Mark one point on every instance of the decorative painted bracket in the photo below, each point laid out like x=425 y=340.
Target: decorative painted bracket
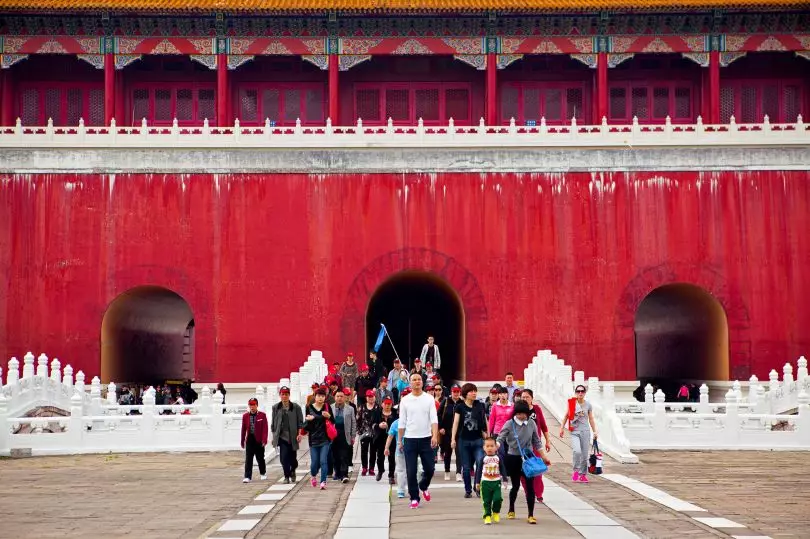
x=208 y=60
x=726 y=58
x=700 y=58
x=95 y=60
x=234 y=61
x=348 y=61
x=123 y=60
x=589 y=60
x=320 y=60
x=478 y=61
x=615 y=59
x=8 y=60
x=505 y=60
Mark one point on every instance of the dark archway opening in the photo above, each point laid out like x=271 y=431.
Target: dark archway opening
x=681 y=335
x=414 y=305
x=147 y=337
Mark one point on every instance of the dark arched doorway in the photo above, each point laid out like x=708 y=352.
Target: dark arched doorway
x=681 y=333
x=147 y=337
x=414 y=305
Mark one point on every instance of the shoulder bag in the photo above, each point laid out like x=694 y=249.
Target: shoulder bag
x=595 y=460
x=331 y=429
x=532 y=465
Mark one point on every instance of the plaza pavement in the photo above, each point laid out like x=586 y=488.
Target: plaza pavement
x=194 y=495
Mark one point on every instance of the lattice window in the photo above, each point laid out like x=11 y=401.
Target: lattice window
x=531 y=105
x=770 y=103
x=313 y=105
x=426 y=104
x=30 y=111
x=95 y=107
x=140 y=105
x=660 y=103
x=271 y=104
x=248 y=105
x=726 y=104
x=457 y=104
x=639 y=106
x=75 y=105
x=163 y=105
x=397 y=105
x=683 y=103
x=618 y=103
x=292 y=105
x=792 y=102
x=574 y=104
x=53 y=106
x=367 y=104
x=510 y=103
x=552 y=109
x=748 y=105
x=206 y=105
x=184 y=105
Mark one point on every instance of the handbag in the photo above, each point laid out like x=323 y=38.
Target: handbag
x=331 y=429
x=532 y=466
x=595 y=460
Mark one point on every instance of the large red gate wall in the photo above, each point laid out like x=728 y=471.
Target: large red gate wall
x=276 y=265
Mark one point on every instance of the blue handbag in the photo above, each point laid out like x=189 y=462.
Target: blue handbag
x=532 y=465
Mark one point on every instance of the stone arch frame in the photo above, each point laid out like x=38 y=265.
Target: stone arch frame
x=179 y=282
x=706 y=277
x=379 y=270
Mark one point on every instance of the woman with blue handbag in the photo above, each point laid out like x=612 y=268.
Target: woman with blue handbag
x=519 y=435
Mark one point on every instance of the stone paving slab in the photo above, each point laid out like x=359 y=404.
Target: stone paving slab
x=160 y=495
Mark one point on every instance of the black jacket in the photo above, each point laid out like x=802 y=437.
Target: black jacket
x=447 y=412
x=317 y=427
x=377 y=418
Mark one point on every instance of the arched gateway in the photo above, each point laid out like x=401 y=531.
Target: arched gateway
x=147 y=336
x=435 y=292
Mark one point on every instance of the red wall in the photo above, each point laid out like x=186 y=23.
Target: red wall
x=276 y=265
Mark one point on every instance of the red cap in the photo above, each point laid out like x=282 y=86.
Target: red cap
x=436 y=377
x=388 y=400
x=363 y=367
x=406 y=391
x=347 y=391
x=429 y=387
x=253 y=401
x=456 y=389
x=315 y=385
x=370 y=393
x=349 y=354
x=493 y=391
x=284 y=389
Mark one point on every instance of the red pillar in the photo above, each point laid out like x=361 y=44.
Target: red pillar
x=120 y=115
x=334 y=93
x=109 y=87
x=7 y=99
x=222 y=90
x=492 y=89
x=714 y=87
x=601 y=87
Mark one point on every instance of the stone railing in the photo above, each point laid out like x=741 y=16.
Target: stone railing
x=97 y=425
x=552 y=382
x=657 y=424
x=419 y=136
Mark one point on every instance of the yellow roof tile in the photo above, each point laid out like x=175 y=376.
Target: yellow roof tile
x=384 y=5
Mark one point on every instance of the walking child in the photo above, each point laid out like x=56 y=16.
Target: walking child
x=491 y=482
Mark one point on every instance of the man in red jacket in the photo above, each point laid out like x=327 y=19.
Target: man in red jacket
x=254 y=438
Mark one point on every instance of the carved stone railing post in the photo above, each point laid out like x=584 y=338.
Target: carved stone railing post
x=28 y=365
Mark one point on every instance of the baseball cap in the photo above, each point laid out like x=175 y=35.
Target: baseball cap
x=369 y=393
x=388 y=400
x=253 y=401
x=347 y=391
x=493 y=391
x=284 y=389
x=406 y=391
x=429 y=387
x=456 y=388
x=349 y=354
x=315 y=385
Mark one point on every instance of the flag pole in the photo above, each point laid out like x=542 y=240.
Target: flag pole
x=392 y=342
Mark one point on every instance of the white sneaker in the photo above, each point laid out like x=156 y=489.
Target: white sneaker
x=246 y=480
x=263 y=477
x=458 y=478
x=351 y=469
x=447 y=476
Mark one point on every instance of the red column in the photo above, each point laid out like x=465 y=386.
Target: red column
x=7 y=99
x=222 y=90
x=109 y=87
x=334 y=93
x=601 y=87
x=492 y=89
x=120 y=115
x=714 y=87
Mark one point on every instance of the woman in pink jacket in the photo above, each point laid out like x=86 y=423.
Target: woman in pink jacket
x=499 y=414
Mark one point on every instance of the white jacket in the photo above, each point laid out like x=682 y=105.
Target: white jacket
x=437 y=358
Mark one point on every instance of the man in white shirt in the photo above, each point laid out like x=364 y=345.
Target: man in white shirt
x=418 y=435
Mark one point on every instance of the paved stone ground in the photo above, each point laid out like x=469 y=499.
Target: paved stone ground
x=143 y=495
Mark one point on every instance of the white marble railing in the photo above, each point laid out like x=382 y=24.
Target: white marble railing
x=657 y=424
x=418 y=136
x=97 y=425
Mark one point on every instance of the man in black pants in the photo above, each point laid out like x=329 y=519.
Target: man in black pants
x=254 y=438
x=447 y=412
x=343 y=444
x=288 y=420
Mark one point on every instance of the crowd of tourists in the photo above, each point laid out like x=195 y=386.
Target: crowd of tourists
x=406 y=422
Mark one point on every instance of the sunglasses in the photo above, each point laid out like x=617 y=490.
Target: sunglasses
x=580 y=391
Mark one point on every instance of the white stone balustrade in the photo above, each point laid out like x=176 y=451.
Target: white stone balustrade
x=418 y=136
x=100 y=425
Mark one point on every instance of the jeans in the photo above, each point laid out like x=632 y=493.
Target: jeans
x=472 y=452
x=417 y=449
x=288 y=457
x=319 y=459
x=254 y=449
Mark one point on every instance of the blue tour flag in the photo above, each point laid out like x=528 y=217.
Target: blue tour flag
x=379 y=338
